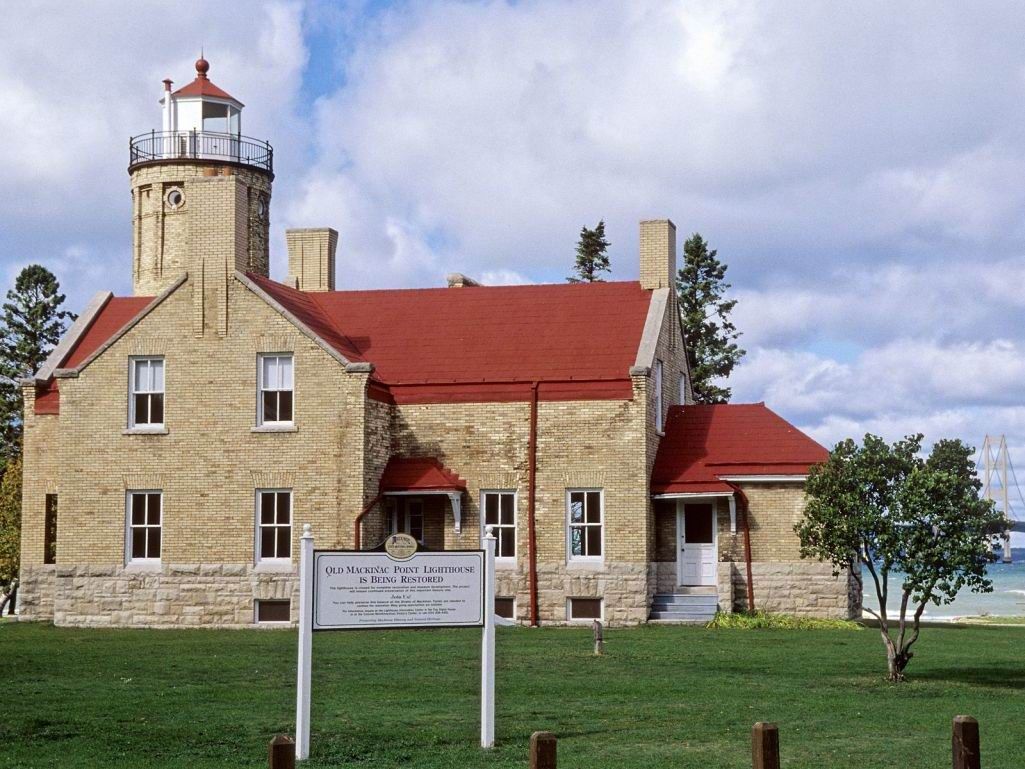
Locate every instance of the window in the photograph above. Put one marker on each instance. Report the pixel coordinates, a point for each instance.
(147, 401)
(585, 518)
(505, 607)
(658, 395)
(406, 516)
(273, 611)
(584, 609)
(273, 525)
(275, 389)
(144, 517)
(50, 530)
(683, 389)
(500, 512)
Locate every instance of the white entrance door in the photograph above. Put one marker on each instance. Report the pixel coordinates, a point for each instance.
(696, 532)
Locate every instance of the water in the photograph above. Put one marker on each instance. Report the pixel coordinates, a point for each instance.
(1006, 600)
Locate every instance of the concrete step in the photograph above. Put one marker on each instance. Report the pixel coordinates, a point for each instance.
(676, 599)
(683, 616)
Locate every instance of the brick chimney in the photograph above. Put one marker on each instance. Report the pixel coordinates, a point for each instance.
(311, 258)
(658, 254)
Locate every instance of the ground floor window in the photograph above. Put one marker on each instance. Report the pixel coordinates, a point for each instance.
(273, 611)
(505, 606)
(50, 531)
(273, 525)
(586, 609)
(585, 524)
(406, 516)
(144, 524)
(500, 513)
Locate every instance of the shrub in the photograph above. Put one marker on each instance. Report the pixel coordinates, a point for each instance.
(760, 620)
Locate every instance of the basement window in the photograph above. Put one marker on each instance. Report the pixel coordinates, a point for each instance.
(505, 607)
(584, 609)
(273, 611)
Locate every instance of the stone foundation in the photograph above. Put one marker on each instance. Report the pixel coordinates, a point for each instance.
(795, 587)
(623, 586)
(175, 595)
(35, 592)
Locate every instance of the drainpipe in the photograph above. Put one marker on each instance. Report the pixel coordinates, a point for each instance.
(358, 534)
(742, 498)
(531, 494)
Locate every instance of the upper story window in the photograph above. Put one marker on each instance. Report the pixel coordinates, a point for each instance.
(683, 389)
(145, 514)
(146, 404)
(658, 396)
(499, 512)
(585, 524)
(276, 386)
(273, 525)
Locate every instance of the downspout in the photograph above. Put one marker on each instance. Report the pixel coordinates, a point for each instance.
(531, 494)
(358, 533)
(742, 498)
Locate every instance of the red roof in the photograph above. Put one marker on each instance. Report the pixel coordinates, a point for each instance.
(482, 343)
(705, 443)
(203, 86)
(419, 474)
(112, 318)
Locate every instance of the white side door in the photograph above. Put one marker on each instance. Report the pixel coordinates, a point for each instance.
(696, 535)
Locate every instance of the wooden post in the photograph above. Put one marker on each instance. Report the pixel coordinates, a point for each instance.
(542, 750)
(281, 753)
(965, 743)
(765, 746)
(599, 639)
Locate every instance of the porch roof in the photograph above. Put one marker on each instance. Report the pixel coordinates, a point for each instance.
(423, 474)
(705, 444)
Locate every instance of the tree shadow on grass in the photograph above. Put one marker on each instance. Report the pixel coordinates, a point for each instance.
(996, 676)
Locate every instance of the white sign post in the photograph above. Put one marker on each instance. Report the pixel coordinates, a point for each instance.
(302, 688)
(487, 648)
(399, 588)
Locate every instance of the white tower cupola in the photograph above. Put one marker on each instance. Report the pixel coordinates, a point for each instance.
(201, 106)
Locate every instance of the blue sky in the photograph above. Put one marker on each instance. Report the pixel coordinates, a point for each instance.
(861, 170)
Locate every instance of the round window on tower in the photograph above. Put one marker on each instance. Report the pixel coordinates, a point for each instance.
(175, 197)
(261, 207)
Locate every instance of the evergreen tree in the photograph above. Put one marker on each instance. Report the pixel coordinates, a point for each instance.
(592, 255)
(33, 322)
(712, 349)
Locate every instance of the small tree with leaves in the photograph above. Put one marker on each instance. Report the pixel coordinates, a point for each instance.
(10, 529)
(33, 322)
(917, 521)
(712, 349)
(592, 255)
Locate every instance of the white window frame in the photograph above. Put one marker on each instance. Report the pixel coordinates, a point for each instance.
(260, 526)
(659, 411)
(514, 602)
(130, 558)
(683, 389)
(133, 363)
(500, 560)
(569, 608)
(260, 389)
(570, 557)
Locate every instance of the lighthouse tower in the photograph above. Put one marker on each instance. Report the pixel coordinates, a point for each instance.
(200, 193)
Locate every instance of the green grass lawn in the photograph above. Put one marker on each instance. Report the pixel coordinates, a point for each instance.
(661, 697)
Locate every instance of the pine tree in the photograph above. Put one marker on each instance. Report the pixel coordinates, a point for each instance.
(712, 349)
(33, 322)
(592, 256)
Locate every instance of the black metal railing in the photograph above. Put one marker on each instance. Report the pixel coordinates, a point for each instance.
(200, 145)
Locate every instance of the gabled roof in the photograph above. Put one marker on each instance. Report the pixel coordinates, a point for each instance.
(114, 316)
(419, 474)
(705, 444)
(482, 343)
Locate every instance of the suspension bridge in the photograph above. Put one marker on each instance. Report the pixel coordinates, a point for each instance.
(997, 474)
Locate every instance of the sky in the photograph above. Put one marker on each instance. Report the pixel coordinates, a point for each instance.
(859, 166)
